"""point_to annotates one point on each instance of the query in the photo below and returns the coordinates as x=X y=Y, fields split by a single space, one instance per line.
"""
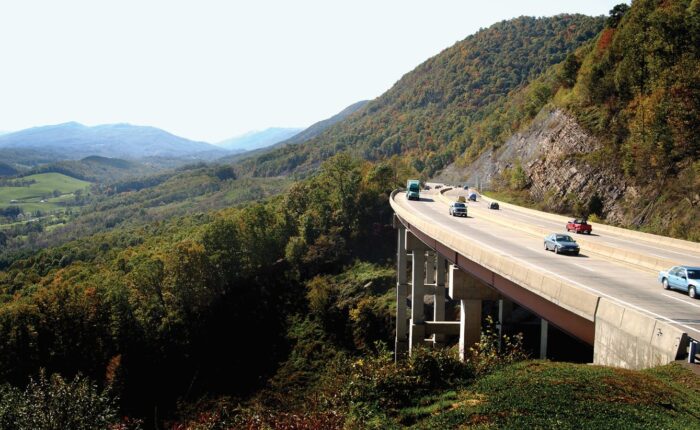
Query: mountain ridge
x=73 y=140
x=258 y=139
x=432 y=113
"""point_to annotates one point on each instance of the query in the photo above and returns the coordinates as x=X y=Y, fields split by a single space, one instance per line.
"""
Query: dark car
x=493 y=205
x=561 y=244
x=472 y=197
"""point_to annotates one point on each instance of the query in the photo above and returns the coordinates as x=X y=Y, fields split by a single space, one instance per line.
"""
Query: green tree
x=616 y=14
x=569 y=70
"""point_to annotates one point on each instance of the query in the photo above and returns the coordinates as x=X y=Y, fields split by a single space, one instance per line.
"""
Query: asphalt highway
x=632 y=286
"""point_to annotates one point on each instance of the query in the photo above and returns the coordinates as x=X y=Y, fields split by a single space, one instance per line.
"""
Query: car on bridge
x=682 y=278
x=561 y=244
x=493 y=205
x=458 y=209
x=579 y=225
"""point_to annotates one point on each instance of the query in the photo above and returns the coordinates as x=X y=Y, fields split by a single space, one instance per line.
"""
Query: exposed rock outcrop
x=554 y=153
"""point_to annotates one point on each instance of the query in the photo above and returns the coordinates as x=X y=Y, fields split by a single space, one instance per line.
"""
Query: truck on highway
x=413 y=189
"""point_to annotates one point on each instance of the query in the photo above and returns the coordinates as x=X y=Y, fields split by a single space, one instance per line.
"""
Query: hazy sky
x=209 y=70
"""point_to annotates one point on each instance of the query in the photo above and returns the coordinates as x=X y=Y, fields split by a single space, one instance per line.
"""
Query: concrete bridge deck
x=608 y=296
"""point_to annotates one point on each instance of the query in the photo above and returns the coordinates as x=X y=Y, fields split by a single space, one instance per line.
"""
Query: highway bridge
x=608 y=296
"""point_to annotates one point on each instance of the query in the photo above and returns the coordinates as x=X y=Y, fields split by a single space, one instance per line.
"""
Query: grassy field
x=544 y=395
x=29 y=197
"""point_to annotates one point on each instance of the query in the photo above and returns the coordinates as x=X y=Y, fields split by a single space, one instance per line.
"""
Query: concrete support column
x=505 y=309
x=544 y=326
x=439 y=302
x=430 y=268
x=417 y=330
x=401 y=341
x=469 y=326
x=418 y=287
x=470 y=291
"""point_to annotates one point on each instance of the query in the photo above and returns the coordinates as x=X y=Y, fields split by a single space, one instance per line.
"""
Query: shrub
x=493 y=352
x=54 y=403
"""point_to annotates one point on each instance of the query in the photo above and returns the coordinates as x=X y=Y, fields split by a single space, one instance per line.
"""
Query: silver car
x=458 y=209
x=683 y=278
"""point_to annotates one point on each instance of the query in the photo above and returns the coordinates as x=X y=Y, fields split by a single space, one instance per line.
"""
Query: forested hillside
x=434 y=112
x=165 y=310
x=204 y=298
x=638 y=91
x=635 y=93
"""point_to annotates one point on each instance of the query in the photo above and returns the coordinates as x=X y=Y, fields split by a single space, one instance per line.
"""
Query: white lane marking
x=536 y=249
x=584 y=267
x=542 y=222
x=585 y=287
x=681 y=300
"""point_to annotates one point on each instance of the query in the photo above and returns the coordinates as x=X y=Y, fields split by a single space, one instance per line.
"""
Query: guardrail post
x=401 y=341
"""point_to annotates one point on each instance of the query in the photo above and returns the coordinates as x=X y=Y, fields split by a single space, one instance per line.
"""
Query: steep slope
x=638 y=93
x=258 y=139
x=432 y=114
x=74 y=141
x=618 y=137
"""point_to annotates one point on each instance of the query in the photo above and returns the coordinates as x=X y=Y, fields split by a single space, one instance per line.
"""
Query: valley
x=150 y=281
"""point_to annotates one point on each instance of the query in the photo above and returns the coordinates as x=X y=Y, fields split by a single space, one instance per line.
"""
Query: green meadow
x=30 y=197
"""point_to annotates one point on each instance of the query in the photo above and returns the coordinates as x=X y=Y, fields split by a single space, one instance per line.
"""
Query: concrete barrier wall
x=628 y=256
x=627 y=338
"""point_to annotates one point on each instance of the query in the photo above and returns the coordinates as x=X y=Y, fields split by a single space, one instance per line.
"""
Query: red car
x=579 y=226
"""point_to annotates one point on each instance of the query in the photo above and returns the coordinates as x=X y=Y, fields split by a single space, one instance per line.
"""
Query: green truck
x=413 y=189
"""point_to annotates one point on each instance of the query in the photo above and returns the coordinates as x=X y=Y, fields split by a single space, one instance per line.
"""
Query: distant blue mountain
x=258 y=139
x=72 y=141
x=317 y=128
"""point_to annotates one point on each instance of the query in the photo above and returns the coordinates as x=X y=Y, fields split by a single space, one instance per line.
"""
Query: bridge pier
x=401 y=341
x=439 y=297
x=505 y=309
x=416 y=326
x=544 y=331
x=471 y=292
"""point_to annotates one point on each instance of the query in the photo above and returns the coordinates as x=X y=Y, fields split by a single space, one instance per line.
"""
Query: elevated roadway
x=608 y=296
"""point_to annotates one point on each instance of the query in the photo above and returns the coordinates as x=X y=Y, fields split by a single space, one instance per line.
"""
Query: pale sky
x=212 y=69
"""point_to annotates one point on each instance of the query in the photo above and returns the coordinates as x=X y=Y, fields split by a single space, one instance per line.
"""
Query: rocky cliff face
x=561 y=162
